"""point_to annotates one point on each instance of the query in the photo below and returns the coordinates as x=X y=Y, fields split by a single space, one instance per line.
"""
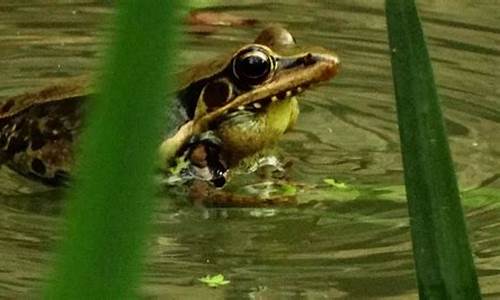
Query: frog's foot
x=206 y=163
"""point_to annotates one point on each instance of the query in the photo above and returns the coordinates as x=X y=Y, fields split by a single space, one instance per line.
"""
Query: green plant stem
x=444 y=263
x=110 y=204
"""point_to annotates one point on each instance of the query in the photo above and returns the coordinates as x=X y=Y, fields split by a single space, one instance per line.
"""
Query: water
x=351 y=245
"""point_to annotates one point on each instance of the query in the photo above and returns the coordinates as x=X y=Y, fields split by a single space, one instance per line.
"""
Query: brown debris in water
x=203 y=193
x=206 y=22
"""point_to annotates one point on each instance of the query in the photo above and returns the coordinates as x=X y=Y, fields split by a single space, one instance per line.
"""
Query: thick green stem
x=110 y=204
x=444 y=264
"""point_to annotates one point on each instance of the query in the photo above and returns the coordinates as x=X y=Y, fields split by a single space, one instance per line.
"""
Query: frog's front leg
x=203 y=152
x=170 y=147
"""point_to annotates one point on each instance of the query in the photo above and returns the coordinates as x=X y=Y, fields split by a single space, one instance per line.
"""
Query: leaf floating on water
x=336 y=184
x=214 y=281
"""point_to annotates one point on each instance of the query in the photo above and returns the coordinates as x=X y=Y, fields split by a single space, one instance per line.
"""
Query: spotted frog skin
x=38 y=131
x=232 y=108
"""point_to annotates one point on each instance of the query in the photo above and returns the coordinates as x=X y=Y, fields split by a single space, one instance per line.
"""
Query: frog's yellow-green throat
x=232 y=107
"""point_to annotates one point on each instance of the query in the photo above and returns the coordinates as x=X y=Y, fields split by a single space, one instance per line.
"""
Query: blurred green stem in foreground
x=109 y=207
x=444 y=264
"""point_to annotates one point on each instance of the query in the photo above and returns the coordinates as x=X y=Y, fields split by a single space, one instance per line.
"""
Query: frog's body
x=233 y=108
x=38 y=131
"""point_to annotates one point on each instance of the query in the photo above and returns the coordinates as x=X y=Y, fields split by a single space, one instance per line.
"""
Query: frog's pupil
x=254 y=66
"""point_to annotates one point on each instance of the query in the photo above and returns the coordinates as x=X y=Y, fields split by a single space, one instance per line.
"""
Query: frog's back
x=54 y=93
x=37 y=130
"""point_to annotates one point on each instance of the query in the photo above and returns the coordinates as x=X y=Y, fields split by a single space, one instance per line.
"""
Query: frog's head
x=247 y=100
x=271 y=69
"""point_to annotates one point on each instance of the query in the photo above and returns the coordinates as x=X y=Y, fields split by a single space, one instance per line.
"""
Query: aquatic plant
x=214 y=281
x=110 y=203
x=444 y=265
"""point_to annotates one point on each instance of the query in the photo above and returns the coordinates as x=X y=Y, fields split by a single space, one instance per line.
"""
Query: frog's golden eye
x=253 y=66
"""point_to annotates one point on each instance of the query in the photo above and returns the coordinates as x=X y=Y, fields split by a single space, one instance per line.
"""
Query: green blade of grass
x=444 y=263
x=110 y=204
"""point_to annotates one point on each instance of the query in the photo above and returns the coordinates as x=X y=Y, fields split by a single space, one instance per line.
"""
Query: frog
x=229 y=108
x=244 y=103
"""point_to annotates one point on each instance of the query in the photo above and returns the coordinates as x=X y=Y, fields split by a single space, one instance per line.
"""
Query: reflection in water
x=347 y=130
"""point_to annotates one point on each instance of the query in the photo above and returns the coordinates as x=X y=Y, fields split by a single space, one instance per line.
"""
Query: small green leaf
x=288 y=190
x=336 y=184
x=214 y=281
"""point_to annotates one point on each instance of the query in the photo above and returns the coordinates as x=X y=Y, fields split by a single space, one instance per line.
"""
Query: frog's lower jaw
x=245 y=133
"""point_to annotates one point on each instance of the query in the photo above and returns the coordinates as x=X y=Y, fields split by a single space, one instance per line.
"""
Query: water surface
x=341 y=246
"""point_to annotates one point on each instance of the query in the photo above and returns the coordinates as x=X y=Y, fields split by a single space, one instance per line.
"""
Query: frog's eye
x=253 y=66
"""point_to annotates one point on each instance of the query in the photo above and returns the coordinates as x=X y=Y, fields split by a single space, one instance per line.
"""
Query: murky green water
x=341 y=245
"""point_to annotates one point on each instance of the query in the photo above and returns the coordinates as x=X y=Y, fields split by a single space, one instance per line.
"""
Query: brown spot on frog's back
x=54 y=127
x=17 y=143
x=38 y=166
x=37 y=139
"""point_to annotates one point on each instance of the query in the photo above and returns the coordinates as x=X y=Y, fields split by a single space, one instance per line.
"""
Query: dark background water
x=353 y=248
